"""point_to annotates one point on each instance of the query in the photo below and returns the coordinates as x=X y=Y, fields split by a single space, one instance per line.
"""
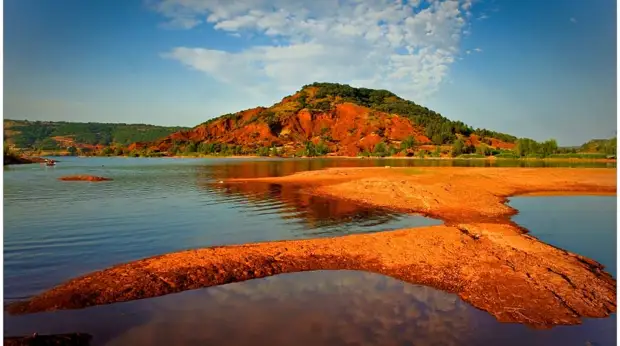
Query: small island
x=92 y=178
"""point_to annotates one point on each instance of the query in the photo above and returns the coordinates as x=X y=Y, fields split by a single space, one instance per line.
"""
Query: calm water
x=55 y=230
x=312 y=308
x=582 y=224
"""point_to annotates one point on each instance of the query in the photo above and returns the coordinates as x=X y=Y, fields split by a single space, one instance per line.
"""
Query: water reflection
x=312 y=308
x=280 y=167
x=154 y=206
x=303 y=209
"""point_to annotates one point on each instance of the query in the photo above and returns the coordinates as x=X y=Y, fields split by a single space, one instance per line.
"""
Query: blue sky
x=538 y=69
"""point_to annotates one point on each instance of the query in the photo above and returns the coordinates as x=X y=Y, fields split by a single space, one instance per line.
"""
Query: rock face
x=83 y=178
x=346 y=120
x=478 y=254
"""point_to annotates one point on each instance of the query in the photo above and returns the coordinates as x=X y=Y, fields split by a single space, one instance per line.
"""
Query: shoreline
x=478 y=253
x=490 y=158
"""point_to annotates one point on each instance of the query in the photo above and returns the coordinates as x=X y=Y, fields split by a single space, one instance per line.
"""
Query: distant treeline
x=38 y=134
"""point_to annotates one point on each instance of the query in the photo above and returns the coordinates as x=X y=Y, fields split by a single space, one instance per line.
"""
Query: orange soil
x=83 y=178
x=478 y=254
x=347 y=129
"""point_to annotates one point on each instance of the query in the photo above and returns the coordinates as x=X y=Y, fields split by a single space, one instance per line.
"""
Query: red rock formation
x=346 y=128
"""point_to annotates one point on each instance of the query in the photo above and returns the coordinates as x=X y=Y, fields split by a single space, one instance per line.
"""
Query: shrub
x=380 y=150
x=408 y=143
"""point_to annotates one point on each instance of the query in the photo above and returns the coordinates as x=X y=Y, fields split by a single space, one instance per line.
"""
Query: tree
x=72 y=150
x=380 y=150
x=321 y=148
x=483 y=149
x=190 y=148
x=309 y=149
x=408 y=143
x=107 y=151
x=548 y=147
x=610 y=147
x=457 y=148
x=422 y=154
x=437 y=152
x=263 y=151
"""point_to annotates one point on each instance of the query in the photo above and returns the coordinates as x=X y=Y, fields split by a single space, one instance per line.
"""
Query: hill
x=49 y=135
x=333 y=119
x=606 y=146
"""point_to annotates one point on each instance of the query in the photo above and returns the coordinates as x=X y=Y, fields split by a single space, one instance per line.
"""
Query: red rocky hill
x=341 y=119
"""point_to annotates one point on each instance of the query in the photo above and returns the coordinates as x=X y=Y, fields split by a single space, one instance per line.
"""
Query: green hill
x=607 y=146
x=49 y=135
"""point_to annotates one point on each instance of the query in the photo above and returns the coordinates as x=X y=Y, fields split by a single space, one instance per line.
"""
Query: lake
x=56 y=230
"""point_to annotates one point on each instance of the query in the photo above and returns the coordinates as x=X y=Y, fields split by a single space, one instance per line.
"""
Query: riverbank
x=479 y=253
x=21 y=160
x=416 y=158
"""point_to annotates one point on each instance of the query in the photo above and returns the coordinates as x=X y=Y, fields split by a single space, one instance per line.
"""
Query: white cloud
x=478 y=50
x=483 y=17
x=404 y=47
x=573 y=20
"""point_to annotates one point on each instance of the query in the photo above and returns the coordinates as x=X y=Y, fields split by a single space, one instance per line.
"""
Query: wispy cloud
x=477 y=50
x=573 y=20
x=482 y=17
x=405 y=47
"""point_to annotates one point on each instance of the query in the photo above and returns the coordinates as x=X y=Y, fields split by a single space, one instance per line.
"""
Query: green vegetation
x=459 y=148
x=408 y=143
x=484 y=150
x=215 y=148
x=381 y=150
x=11 y=156
x=311 y=149
x=529 y=147
x=591 y=156
x=607 y=146
x=262 y=151
x=38 y=134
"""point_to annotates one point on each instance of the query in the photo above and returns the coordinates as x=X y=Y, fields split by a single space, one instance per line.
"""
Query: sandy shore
x=479 y=253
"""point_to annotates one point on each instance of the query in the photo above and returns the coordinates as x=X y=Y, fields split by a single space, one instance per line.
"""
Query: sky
x=536 y=69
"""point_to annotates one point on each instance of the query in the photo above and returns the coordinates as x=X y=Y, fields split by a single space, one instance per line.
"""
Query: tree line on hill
x=437 y=128
x=38 y=134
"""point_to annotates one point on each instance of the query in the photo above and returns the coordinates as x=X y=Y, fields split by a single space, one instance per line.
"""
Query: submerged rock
x=83 y=178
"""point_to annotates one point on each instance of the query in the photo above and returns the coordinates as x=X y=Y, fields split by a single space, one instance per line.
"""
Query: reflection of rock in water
x=308 y=309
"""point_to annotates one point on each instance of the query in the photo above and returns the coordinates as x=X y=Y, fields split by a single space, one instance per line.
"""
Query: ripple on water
x=55 y=230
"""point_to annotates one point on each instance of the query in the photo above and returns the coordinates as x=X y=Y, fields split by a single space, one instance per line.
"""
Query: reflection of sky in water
x=57 y=230
x=582 y=224
x=313 y=308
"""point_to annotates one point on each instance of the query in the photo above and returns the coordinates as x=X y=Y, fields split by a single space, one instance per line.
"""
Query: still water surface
x=56 y=230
